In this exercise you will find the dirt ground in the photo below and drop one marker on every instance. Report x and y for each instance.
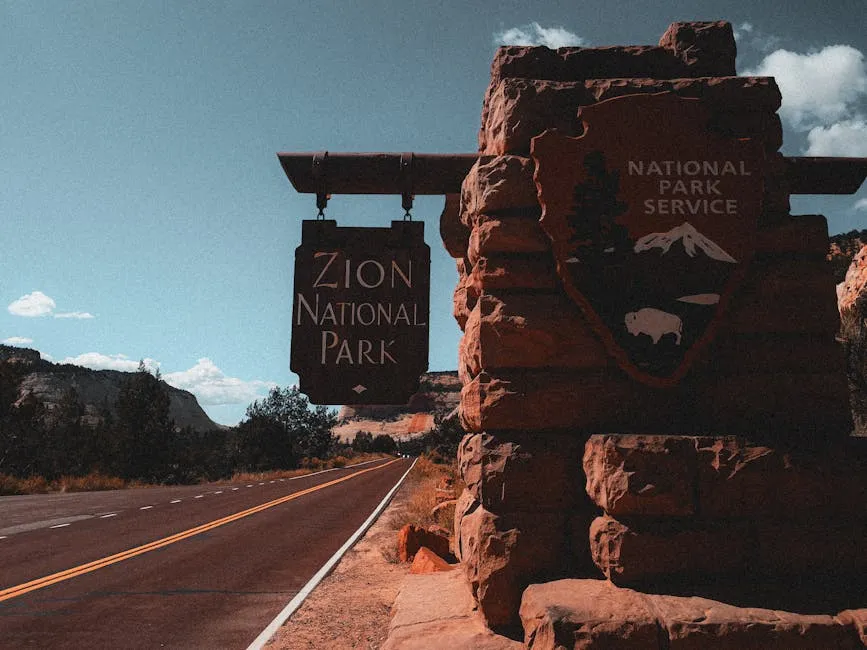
(351, 608)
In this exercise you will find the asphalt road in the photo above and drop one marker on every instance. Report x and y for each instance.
(175, 567)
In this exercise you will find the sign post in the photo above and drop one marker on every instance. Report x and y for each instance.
(360, 312)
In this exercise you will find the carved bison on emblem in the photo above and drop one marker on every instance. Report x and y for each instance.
(655, 323)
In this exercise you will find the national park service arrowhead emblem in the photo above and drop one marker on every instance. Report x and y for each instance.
(652, 216)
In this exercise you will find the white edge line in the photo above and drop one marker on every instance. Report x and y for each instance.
(334, 469)
(306, 590)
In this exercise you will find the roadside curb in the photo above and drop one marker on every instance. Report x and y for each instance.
(260, 641)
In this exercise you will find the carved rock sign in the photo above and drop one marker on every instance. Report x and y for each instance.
(652, 216)
(360, 312)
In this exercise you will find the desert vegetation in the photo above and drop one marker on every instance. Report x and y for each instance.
(140, 444)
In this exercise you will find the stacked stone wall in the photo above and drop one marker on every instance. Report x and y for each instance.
(538, 382)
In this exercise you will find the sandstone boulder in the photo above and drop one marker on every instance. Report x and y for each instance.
(498, 184)
(503, 271)
(642, 550)
(641, 475)
(706, 49)
(595, 614)
(529, 331)
(501, 555)
(411, 538)
(523, 471)
(506, 235)
(426, 561)
(579, 614)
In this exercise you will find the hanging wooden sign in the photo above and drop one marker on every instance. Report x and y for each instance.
(652, 216)
(360, 312)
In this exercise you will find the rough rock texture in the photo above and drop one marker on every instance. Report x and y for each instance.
(529, 331)
(426, 561)
(533, 369)
(411, 538)
(522, 517)
(591, 614)
(519, 109)
(635, 553)
(705, 49)
(722, 477)
(498, 184)
(641, 475)
(851, 304)
(448, 620)
(47, 383)
(506, 235)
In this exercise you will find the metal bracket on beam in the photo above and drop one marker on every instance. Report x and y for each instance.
(319, 172)
(406, 192)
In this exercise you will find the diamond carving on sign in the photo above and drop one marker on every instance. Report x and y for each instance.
(359, 389)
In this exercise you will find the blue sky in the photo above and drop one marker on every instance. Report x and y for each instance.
(145, 214)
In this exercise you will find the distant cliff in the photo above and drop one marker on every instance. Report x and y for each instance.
(438, 395)
(97, 390)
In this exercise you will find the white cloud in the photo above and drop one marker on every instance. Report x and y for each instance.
(819, 88)
(38, 304)
(535, 34)
(746, 35)
(75, 314)
(17, 340)
(98, 361)
(860, 204)
(846, 138)
(211, 386)
(32, 305)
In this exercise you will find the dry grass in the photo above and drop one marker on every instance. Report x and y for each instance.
(309, 466)
(39, 485)
(95, 481)
(421, 497)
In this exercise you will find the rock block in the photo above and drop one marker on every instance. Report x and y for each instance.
(519, 471)
(411, 538)
(706, 49)
(793, 353)
(587, 614)
(781, 296)
(641, 475)
(446, 620)
(454, 234)
(513, 272)
(800, 235)
(703, 624)
(502, 555)
(506, 235)
(643, 550)
(529, 331)
(519, 109)
(595, 614)
(736, 479)
(804, 409)
(426, 561)
(585, 402)
(833, 544)
(857, 618)
(498, 184)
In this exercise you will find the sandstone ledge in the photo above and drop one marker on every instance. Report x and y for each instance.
(437, 611)
(594, 614)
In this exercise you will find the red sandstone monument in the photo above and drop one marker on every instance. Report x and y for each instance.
(658, 450)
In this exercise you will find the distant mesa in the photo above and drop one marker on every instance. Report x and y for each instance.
(691, 239)
(439, 394)
(47, 383)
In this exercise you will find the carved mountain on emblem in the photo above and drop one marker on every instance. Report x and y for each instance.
(691, 239)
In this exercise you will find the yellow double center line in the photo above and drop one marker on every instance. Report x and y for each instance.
(54, 578)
